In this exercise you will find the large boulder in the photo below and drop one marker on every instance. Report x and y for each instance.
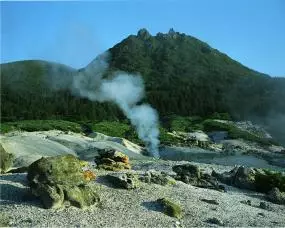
(245, 178)
(113, 160)
(6, 160)
(240, 177)
(62, 180)
(253, 179)
(191, 174)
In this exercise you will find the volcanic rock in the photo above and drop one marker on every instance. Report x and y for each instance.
(157, 177)
(251, 178)
(191, 174)
(123, 180)
(276, 196)
(113, 160)
(239, 176)
(61, 179)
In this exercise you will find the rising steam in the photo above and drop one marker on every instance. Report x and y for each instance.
(126, 91)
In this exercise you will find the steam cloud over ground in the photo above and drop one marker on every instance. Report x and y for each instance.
(126, 91)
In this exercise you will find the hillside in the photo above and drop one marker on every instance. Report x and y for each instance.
(35, 89)
(182, 74)
(186, 76)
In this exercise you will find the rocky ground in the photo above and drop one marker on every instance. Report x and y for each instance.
(138, 207)
(121, 207)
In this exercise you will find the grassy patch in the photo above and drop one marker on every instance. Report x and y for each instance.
(171, 208)
(112, 128)
(270, 179)
(40, 125)
(167, 139)
(117, 129)
(234, 132)
(180, 123)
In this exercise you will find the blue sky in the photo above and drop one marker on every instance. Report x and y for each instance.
(250, 31)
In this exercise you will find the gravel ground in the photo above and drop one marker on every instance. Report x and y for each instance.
(137, 208)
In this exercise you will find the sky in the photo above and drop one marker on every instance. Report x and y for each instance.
(74, 33)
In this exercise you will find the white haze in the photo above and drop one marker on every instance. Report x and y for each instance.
(125, 90)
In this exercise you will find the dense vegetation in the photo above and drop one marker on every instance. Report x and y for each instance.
(182, 75)
(40, 125)
(124, 129)
(270, 179)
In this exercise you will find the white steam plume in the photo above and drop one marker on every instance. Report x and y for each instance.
(126, 91)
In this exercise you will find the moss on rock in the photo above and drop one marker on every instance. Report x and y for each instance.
(170, 208)
(61, 180)
(57, 170)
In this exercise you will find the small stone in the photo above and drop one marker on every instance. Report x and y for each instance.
(247, 202)
(215, 221)
(264, 205)
(157, 177)
(261, 214)
(215, 202)
(28, 220)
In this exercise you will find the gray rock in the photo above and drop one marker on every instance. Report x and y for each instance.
(6, 160)
(240, 177)
(264, 206)
(214, 202)
(191, 174)
(123, 180)
(247, 202)
(226, 177)
(156, 177)
(245, 178)
(215, 221)
(187, 170)
(276, 196)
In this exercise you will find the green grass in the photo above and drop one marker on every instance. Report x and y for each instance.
(235, 132)
(186, 124)
(125, 130)
(167, 139)
(117, 129)
(112, 128)
(171, 208)
(270, 179)
(40, 125)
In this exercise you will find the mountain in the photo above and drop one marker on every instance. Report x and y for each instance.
(182, 75)
(186, 76)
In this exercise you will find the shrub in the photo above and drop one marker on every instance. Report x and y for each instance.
(170, 208)
(264, 182)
